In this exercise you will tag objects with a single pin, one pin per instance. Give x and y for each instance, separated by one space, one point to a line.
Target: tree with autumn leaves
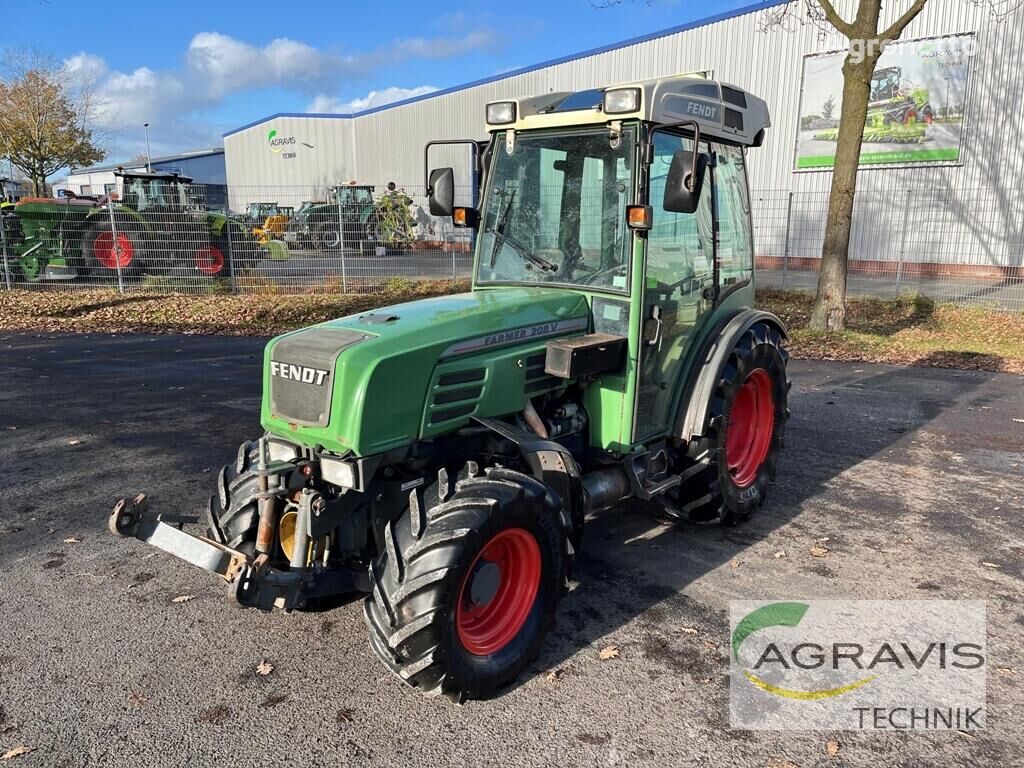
47 116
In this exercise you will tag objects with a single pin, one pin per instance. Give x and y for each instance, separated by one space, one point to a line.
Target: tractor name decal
701 110
298 373
516 335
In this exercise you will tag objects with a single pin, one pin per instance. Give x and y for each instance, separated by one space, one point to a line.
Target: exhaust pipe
604 488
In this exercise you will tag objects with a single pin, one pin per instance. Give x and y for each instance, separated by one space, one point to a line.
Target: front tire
232 513
728 470
466 587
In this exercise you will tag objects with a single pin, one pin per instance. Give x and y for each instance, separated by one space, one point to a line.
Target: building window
86 189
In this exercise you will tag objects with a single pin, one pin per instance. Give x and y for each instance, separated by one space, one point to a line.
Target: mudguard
700 388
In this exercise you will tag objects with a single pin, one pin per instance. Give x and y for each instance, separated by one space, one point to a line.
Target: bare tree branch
837 21
897 27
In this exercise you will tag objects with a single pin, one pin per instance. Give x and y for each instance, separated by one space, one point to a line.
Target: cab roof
721 110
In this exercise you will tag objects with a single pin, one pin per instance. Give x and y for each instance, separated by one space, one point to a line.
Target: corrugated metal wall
978 204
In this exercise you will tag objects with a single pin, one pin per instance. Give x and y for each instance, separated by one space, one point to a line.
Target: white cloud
217 65
334 105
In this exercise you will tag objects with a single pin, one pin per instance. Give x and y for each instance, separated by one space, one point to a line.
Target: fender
700 385
551 463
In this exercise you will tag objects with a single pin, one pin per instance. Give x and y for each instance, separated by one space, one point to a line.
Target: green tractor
353 219
42 238
899 112
441 456
152 225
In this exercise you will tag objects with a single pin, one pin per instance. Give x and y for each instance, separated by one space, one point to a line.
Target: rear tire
445 618
728 470
100 255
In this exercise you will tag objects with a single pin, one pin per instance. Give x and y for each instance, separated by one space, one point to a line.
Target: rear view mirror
441 191
684 182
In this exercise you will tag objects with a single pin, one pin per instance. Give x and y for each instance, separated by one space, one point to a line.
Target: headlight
621 100
339 472
280 450
501 112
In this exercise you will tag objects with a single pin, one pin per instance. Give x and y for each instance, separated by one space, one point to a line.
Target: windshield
555 211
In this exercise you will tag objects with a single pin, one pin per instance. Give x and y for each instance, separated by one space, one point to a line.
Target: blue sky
196 69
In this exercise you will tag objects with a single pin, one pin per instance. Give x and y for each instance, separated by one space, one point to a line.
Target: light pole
946 104
149 162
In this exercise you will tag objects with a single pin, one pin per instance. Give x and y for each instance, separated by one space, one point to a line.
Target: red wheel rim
749 432
498 592
108 255
210 262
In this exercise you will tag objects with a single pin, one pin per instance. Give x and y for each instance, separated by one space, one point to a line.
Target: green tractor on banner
353 219
441 456
899 112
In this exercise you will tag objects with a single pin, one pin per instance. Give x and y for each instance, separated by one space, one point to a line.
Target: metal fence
965 247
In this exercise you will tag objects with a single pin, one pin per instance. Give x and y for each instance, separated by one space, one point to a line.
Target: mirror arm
696 144
438 142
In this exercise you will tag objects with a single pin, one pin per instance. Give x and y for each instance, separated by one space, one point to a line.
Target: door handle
650 339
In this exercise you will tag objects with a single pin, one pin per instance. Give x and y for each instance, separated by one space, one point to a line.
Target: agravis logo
781 615
278 143
857 664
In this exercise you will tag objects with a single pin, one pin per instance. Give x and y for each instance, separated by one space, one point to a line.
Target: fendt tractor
441 456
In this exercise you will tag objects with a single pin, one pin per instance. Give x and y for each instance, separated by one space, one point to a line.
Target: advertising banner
916 108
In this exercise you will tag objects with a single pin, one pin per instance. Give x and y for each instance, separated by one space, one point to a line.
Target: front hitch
257 585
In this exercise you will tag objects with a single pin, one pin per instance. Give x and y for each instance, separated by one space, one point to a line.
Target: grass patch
911 330
905 331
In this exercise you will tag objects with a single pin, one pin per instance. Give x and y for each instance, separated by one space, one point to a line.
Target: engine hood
360 383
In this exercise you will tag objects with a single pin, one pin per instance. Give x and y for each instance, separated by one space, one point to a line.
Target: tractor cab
886 83
153 192
352 194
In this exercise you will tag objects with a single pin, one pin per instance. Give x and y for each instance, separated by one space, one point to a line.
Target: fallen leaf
345 715
832 748
780 553
12 428
74 442
18 751
710 645
991 565
778 762
138 699
72 540
689 630
183 598
734 564
1007 671
264 668
608 652
819 551
554 676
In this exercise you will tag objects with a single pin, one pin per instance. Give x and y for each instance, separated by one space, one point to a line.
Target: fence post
231 251
117 245
3 248
452 249
341 244
785 250
903 241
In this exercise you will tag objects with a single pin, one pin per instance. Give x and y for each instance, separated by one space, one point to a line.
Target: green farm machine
899 112
148 225
441 456
353 218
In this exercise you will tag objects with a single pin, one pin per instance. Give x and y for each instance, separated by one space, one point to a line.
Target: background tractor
441 456
268 220
353 218
899 112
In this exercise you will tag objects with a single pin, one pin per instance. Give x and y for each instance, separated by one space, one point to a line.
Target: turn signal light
464 217
639 216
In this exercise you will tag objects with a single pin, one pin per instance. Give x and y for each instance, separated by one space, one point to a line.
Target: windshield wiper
498 230
522 250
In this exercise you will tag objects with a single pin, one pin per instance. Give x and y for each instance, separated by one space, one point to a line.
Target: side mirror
441 191
684 182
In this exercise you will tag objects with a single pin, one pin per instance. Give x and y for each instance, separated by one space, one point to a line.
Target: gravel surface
913 475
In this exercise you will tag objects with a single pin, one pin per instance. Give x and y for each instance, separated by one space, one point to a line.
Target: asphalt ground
914 477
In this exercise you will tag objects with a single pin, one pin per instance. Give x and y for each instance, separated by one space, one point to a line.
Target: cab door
678 290
679 287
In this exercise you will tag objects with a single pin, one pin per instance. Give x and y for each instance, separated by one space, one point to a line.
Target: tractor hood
382 379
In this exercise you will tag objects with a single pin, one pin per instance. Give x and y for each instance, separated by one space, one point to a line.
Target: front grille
302 374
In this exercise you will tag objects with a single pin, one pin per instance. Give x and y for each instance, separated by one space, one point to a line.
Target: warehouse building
940 170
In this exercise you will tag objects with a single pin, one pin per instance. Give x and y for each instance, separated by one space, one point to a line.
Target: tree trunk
830 303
